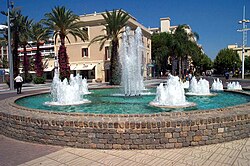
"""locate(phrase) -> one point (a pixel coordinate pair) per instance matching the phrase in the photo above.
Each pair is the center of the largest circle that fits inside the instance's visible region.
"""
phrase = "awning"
(72, 66)
(84, 67)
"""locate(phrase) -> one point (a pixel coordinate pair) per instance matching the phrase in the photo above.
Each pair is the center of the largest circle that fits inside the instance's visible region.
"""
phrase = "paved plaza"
(235, 153)
(14, 152)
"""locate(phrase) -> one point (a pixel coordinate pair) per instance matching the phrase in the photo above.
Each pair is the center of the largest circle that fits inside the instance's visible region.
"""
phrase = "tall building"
(46, 48)
(3, 54)
(93, 63)
(47, 51)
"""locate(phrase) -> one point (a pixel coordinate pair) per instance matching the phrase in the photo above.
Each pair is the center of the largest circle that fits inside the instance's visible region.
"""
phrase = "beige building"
(92, 63)
(165, 26)
(238, 49)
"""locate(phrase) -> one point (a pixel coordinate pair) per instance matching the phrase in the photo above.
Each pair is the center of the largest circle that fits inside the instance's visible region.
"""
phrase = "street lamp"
(244, 38)
(9, 48)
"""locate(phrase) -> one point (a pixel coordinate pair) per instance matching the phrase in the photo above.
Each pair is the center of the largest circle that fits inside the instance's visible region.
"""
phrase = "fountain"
(171, 95)
(217, 85)
(122, 116)
(185, 85)
(84, 88)
(234, 86)
(131, 61)
(68, 93)
(199, 88)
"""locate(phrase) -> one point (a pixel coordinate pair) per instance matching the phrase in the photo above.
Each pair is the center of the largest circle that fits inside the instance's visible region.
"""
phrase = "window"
(86, 30)
(107, 53)
(85, 52)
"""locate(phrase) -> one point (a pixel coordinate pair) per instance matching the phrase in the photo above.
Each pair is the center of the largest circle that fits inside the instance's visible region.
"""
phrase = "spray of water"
(217, 85)
(68, 93)
(171, 94)
(131, 55)
(199, 88)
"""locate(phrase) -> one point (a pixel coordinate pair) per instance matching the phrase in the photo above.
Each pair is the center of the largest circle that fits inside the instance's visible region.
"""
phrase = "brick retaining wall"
(148, 131)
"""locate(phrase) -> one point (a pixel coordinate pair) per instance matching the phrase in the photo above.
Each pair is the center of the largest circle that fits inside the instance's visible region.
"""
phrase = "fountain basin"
(184, 105)
(123, 131)
(198, 94)
(84, 101)
(104, 101)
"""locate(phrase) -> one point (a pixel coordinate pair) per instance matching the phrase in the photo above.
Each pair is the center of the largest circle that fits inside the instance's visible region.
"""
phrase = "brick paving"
(13, 152)
(234, 153)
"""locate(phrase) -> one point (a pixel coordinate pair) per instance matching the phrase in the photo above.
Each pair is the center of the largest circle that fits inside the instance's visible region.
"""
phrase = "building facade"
(238, 49)
(47, 51)
(93, 63)
(3, 55)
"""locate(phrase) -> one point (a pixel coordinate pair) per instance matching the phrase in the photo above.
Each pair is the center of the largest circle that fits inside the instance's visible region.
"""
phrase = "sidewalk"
(13, 152)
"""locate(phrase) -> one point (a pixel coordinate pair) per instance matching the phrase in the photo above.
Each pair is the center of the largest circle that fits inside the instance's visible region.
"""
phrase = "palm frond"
(64, 22)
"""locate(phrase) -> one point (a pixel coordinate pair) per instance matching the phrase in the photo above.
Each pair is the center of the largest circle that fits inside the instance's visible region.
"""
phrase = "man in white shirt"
(19, 82)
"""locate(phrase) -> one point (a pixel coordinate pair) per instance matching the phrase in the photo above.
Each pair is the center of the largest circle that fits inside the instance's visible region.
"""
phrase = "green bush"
(28, 79)
(39, 80)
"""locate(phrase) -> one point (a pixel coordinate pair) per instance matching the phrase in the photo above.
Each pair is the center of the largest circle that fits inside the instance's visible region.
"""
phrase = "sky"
(216, 21)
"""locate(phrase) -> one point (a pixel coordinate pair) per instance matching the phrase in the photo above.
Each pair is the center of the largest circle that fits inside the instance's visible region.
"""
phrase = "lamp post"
(9, 49)
(244, 39)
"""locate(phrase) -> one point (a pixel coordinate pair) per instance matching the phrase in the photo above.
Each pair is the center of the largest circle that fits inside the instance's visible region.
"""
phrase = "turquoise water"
(102, 102)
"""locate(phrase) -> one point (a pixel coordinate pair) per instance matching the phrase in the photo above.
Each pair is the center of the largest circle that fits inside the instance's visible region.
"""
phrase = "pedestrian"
(227, 75)
(190, 76)
(19, 82)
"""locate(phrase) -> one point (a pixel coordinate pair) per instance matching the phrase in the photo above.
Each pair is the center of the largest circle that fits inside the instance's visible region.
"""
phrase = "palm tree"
(63, 23)
(39, 34)
(185, 40)
(161, 50)
(114, 23)
(24, 38)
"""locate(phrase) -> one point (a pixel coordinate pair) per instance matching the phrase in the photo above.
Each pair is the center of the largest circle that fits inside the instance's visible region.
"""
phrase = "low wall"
(148, 131)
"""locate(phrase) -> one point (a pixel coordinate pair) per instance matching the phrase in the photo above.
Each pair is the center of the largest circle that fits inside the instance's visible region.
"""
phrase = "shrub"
(39, 80)
(28, 79)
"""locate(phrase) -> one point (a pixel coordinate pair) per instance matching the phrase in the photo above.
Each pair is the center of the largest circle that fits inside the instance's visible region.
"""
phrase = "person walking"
(19, 82)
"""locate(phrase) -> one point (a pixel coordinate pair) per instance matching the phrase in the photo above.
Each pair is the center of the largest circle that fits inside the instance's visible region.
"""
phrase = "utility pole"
(244, 38)
(9, 49)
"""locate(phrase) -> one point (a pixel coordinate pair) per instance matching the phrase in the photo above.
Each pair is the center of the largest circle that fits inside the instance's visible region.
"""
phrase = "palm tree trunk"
(63, 60)
(38, 62)
(179, 66)
(114, 66)
(25, 63)
(174, 65)
(183, 67)
(15, 57)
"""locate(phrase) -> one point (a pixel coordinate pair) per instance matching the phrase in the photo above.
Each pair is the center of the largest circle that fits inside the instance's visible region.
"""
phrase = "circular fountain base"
(67, 104)
(135, 131)
(237, 89)
(198, 94)
(184, 105)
